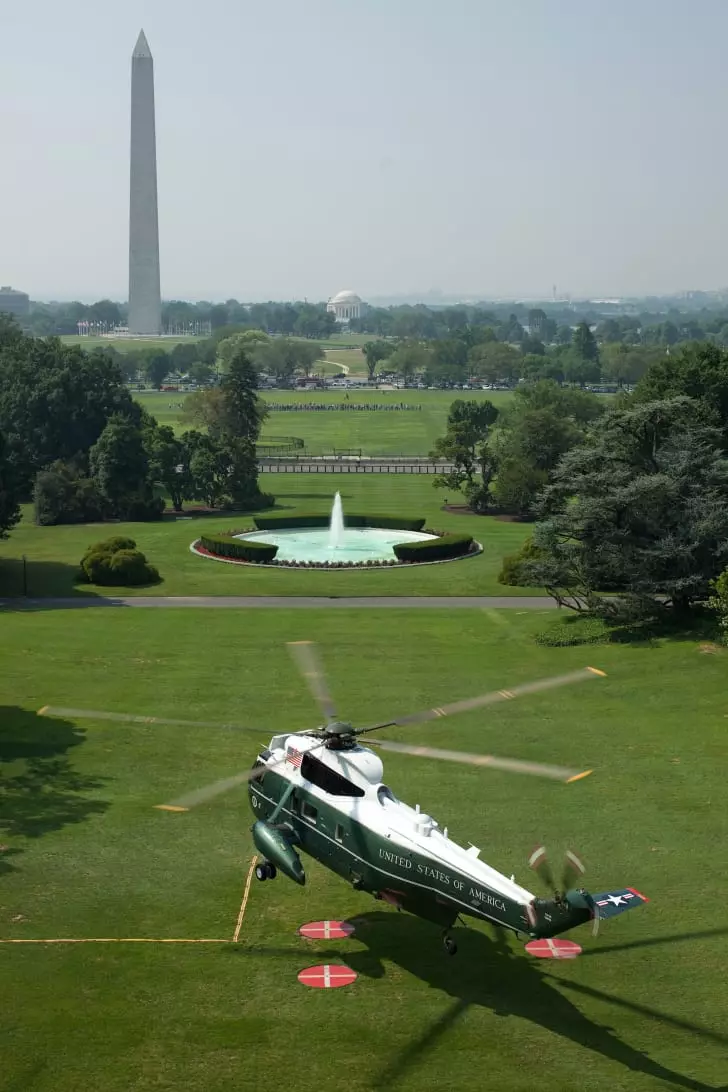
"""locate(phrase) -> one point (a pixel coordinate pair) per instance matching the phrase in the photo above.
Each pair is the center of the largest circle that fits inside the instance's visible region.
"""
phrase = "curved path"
(290, 602)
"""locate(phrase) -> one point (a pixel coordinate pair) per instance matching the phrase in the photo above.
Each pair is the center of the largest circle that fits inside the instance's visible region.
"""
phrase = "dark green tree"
(238, 430)
(119, 466)
(585, 344)
(169, 463)
(698, 371)
(157, 366)
(55, 400)
(465, 444)
(9, 497)
(375, 352)
(641, 508)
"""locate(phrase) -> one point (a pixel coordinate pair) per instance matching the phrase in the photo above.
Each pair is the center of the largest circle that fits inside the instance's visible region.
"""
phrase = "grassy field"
(126, 344)
(53, 553)
(379, 432)
(85, 855)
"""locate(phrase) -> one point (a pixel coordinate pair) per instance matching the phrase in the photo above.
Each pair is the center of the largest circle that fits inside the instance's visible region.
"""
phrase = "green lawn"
(379, 432)
(53, 553)
(85, 855)
(126, 344)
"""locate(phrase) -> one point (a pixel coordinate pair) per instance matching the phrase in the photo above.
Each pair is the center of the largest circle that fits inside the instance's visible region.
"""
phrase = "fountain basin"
(357, 544)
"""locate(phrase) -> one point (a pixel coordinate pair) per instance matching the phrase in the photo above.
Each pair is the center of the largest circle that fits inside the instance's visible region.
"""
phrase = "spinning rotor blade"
(492, 698)
(573, 869)
(538, 861)
(309, 664)
(131, 718)
(217, 788)
(510, 765)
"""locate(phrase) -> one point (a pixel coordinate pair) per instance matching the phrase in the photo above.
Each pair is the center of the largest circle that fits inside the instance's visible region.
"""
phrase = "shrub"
(321, 519)
(513, 570)
(434, 549)
(117, 562)
(574, 631)
(63, 494)
(719, 602)
(251, 502)
(224, 545)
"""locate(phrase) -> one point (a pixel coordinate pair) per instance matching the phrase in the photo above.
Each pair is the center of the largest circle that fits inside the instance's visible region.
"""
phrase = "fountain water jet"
(336, 524)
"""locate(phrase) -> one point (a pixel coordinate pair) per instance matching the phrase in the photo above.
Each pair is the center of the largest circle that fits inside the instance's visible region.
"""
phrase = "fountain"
(338, 543)
(336, 524)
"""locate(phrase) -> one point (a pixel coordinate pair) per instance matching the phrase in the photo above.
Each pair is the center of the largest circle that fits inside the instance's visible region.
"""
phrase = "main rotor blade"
(492, 698)
(308, 662)
(217, 788)
(510, 765)
(131, 718)
(208, 792)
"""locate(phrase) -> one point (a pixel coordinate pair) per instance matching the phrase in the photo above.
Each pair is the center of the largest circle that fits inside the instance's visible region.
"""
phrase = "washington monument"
(145, 307)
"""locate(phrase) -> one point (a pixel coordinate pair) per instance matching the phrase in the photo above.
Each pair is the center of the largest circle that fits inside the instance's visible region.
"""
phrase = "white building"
(345, 306)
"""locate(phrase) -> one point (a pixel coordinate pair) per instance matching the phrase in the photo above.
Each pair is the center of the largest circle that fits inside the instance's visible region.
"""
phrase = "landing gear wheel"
(449, 945)
(271, 870)
(261, 871)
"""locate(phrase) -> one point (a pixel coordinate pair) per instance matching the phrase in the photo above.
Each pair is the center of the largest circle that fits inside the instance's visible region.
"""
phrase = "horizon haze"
(396, 150)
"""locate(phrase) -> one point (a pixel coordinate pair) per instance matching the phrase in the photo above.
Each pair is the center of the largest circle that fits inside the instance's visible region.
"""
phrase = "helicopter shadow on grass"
(491, 974)
(40, 789)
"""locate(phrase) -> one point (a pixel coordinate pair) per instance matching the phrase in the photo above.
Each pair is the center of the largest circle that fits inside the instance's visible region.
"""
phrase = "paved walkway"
(290, 602)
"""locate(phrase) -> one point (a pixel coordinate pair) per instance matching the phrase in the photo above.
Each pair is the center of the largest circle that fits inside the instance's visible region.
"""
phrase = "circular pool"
(354, 543)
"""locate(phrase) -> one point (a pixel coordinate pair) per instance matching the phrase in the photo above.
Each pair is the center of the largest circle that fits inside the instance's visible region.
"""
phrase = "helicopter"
(321, 792)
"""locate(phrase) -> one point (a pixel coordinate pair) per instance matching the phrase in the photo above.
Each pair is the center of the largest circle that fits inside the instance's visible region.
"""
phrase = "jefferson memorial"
(346, 305)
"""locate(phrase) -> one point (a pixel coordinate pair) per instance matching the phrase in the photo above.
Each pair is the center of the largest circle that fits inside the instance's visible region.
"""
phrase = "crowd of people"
(370, 407)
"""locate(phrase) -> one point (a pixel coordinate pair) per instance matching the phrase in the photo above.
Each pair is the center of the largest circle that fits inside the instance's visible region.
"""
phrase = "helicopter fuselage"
(334, 806)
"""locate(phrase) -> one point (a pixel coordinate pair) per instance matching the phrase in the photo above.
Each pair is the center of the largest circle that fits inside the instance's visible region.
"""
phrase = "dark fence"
(353, 465)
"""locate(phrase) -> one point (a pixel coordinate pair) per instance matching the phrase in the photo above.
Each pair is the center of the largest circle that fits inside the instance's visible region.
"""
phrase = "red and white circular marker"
(327, 976)
(326, 930)
(553, 949)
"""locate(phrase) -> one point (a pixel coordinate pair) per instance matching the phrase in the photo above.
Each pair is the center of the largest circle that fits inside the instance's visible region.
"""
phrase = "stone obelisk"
(145, 306)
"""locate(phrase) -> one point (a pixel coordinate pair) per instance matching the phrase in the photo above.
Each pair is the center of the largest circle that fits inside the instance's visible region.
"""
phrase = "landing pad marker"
(553, 949)
(326, 930)
(327, 976)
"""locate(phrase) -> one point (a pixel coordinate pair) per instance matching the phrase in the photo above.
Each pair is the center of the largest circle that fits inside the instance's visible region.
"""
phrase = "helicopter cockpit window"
(318, 773)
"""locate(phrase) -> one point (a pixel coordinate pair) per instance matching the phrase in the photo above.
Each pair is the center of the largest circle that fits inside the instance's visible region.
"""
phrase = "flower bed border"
(371, 566)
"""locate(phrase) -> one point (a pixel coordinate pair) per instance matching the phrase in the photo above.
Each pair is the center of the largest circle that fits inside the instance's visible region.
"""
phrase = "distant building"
(13, 302)
(345, 306)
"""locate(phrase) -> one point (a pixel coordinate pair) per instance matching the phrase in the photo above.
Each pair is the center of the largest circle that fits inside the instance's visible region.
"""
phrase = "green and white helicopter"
(321, 792)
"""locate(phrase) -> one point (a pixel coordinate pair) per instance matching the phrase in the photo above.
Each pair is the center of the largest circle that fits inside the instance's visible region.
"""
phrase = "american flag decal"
(294, 757)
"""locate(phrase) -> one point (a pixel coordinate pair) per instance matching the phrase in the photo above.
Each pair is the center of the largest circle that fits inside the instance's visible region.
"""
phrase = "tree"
(119, 467)
(205, 409)
(641, 508)
(169, 463)
(543, 422)
(64, 493)
(697, 371)
(55, 400)
(9, 507)
(585, 344)
(495, 363)
(209, 468)
(375, 352)
(465, 444)
(719, 602)
(157, 366)
(201, 372)
(246, 339)
(242, 416)
(409, 359)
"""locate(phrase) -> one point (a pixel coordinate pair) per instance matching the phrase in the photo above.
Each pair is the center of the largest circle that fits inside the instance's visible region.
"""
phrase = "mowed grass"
(53, 553)
(375, 432)
(126, 344)
(86, 855)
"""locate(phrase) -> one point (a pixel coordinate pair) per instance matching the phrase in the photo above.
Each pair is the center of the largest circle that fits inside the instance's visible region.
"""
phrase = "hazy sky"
(478, 147)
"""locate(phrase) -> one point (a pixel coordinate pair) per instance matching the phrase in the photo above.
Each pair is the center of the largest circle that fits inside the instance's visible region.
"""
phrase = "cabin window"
(339, 833)
(308, 811)
(321, 775)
